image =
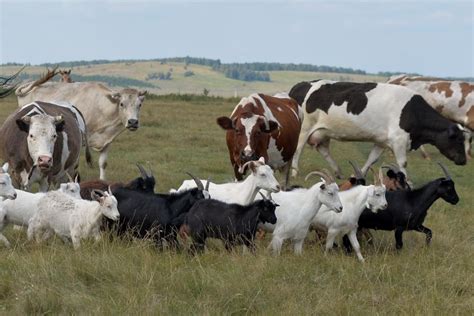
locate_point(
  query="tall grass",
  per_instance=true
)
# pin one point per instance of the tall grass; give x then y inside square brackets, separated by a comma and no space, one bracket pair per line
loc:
[128,276]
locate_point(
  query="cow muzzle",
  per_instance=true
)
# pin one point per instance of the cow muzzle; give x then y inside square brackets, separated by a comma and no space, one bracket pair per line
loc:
[248,157]
[132,124]
[45,162]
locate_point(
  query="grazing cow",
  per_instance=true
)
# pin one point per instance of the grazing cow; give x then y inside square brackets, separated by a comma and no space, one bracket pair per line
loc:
[41,141]
[232,223]
[388,115]
[156,216]
[453,99]
[145,183]
[407,209]
[262,126]
[107,112]
[65,76]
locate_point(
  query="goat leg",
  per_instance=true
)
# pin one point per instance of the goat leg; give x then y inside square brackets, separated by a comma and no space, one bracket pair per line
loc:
[427,232]
[398,237]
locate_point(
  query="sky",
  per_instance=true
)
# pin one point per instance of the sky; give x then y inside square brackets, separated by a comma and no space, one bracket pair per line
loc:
[427,37]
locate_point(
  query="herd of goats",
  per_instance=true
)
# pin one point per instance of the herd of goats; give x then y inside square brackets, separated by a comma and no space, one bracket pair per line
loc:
[40,143]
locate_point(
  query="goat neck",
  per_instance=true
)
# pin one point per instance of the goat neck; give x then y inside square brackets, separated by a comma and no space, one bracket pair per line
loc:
[245,191]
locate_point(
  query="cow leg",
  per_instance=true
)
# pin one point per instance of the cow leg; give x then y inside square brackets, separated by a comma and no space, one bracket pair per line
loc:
[276,245]
[302,139]
[298,246]
[25,185]
[323,149]
[374,155]
[103,161]
[398,237]
[427,232]
[424,153]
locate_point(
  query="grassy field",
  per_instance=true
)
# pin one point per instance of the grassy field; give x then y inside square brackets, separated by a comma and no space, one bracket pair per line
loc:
[131,277]
[204,78]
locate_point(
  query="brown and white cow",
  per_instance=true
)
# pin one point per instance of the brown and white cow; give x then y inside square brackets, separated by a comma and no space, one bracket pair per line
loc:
[107,112]
[453,99]
[41,142]
[263,126]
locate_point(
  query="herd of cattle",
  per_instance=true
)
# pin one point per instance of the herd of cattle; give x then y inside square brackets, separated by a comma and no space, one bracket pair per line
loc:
[41,143]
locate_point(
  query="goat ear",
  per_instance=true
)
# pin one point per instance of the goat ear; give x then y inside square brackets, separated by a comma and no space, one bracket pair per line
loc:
[322,186]
[225,122]
[5,167]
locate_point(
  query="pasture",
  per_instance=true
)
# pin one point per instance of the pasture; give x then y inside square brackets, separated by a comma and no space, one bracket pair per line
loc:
[179,134]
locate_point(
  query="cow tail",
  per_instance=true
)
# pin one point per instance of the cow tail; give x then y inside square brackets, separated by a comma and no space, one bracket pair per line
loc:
[88,150]
[25,88]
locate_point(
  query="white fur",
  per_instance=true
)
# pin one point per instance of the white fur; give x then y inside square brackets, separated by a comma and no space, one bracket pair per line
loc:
[354,201]
[296,210]
[7,191]
[71,218]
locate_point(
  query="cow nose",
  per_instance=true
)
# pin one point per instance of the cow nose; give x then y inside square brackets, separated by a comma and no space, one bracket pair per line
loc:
[45,161]
[132,123]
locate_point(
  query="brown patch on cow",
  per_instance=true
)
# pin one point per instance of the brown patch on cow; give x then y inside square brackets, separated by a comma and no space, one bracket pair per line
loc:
[443,86]
[470,118]
[466,88]
[439,108]
[398,80]
[423,79]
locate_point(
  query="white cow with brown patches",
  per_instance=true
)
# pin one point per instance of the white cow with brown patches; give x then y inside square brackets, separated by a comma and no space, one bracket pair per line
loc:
[107,112]
[453,99]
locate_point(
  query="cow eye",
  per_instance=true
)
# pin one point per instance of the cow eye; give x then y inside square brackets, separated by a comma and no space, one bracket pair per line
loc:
[31,136]
[121,104]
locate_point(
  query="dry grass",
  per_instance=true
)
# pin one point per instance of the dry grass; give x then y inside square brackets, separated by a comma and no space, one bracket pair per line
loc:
[131,277]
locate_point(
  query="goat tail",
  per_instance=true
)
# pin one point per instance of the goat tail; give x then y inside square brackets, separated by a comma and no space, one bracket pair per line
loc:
[184,231]
[25,88]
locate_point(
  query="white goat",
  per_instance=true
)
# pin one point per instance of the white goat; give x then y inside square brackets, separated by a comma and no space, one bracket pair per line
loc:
[7,191]
[354,201]
[72,218]
[25,206]
[296,210]
[243,192]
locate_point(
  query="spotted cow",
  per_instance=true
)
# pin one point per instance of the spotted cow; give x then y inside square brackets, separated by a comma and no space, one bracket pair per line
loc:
[263,126]
[387,115]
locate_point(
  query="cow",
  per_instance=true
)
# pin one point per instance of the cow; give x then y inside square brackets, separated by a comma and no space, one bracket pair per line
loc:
[262,126]
[107,112]
[387,115]
[41,142]
[453,99]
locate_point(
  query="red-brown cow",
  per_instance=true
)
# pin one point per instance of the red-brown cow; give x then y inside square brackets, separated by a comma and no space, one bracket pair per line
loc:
[263,126]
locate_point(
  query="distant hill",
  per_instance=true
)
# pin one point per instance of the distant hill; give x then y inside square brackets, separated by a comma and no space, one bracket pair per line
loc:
[198,75]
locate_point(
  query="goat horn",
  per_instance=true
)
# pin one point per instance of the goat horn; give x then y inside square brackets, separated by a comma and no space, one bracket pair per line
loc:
[263,196]
[446,173]
[329,174]
[380,176]
[242,168]
[376,180]
[319,173]
[207,184]
[110,190]
[142,171]
[357,170]
[69,177]
[149,167]
[197,181]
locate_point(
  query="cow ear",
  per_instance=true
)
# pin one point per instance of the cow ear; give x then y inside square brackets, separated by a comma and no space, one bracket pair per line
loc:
[452,131]
[114,97]
[59,122]
[272,125]
[24,123]
[142,94]
[225,122]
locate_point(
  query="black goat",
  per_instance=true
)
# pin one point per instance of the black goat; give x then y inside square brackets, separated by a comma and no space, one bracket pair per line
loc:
[145,183]
[232,223]
[407,209]
[157,216]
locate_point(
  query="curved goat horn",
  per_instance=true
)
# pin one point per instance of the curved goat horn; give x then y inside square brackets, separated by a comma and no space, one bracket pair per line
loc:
[242,168]
[380,176]
[263,196]
[142,170]
[207,184]
[198,182]
[376,179]
[149,167]
[357,170]
[322,174]
[69,177]
[446,173]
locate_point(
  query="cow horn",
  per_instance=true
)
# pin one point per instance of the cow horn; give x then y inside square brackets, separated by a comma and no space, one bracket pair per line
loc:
[326,177]
[69,177]
[357,171]
[142,171]
[446,173]
[197,181]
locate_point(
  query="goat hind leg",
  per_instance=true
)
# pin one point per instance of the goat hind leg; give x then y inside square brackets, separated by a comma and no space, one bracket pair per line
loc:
[427,232]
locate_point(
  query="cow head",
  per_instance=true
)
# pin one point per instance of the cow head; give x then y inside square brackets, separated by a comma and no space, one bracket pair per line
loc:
[42,132]
[129,102]
[450,143]
[249,134]
[7,190]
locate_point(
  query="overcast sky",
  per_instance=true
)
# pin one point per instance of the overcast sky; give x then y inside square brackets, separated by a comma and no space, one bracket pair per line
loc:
[428,37]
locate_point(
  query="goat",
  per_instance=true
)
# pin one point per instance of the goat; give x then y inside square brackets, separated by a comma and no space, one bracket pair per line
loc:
[243,192]
[71,218]
[25,206]
[145,183]
[354,202]
[232,223]
[297,208]
[7,191]
[156,215]
[407,209]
